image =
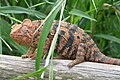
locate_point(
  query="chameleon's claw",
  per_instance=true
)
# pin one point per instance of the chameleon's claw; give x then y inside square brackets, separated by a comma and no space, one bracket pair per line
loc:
[33,57]
[24,56]
[70,65]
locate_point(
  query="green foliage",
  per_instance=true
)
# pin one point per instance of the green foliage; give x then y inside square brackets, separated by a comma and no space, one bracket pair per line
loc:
[99,18]
[21,10]
[81,14]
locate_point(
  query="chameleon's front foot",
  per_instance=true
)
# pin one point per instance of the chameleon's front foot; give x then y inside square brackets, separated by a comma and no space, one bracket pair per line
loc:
[28,55]
[70,65]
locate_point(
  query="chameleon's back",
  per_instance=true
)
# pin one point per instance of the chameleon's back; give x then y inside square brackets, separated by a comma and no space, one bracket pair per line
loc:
[68,39]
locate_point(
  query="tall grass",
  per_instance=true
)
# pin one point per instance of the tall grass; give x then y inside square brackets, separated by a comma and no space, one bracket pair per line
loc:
[99,18]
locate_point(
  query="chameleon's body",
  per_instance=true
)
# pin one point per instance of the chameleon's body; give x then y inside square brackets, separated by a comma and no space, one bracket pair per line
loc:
[73,43]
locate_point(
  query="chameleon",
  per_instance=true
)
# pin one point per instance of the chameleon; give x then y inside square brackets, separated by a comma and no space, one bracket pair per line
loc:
[73,43]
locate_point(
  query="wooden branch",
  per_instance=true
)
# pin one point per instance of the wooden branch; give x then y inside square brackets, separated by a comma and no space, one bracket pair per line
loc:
[12,66]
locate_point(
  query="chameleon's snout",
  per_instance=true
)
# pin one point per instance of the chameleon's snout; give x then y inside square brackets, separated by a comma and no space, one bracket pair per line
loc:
[15,30]
[15,27]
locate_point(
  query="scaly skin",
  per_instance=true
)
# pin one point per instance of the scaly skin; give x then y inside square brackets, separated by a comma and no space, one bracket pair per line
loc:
[72,43]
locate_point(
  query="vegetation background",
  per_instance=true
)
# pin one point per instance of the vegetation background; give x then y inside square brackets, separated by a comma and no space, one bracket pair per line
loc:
[99,18]
[105,31]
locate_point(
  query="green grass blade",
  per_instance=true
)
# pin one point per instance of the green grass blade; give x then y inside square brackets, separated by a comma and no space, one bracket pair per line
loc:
[20,10]
[108,37]
[30,74]
[38,4]
[0,46]
[66,18]
[27,3]
[11,17]
[118,17]
[51,69]
[6,44]
[80,13]
[72,16]
[54,42]
[117,3]
[0,36]
[8,4]
[49,2]
[43,36]
[0,33]
[55,7]
[94,5]
[55,37]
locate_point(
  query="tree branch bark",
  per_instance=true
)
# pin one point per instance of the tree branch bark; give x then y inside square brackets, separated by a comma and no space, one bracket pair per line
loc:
[12,66]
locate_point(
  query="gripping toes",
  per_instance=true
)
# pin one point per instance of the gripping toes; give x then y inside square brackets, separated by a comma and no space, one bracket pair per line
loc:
[27,55]
[70,65]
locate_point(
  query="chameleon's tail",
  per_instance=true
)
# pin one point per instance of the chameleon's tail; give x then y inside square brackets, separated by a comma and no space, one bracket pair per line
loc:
[101,58]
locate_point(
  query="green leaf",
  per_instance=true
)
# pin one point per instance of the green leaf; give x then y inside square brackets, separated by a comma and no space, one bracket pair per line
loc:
[6,43]
[108,37]
[20,10]
[81,14]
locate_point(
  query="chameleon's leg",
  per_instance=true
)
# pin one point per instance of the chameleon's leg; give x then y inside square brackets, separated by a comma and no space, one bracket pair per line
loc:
[45,49]
[30,53]
[79,56]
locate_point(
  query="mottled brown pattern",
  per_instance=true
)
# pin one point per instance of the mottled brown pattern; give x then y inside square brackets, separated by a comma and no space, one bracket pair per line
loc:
[72,43]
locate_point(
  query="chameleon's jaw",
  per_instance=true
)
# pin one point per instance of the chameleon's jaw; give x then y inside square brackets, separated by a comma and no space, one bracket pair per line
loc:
[14,37]
[19,39]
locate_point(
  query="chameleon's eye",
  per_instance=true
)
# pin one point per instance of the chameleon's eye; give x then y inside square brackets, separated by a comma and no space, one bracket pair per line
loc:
[38,30]
[27,30]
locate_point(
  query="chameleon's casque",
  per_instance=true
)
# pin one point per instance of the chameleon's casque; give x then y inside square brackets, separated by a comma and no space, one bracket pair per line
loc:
[72,43]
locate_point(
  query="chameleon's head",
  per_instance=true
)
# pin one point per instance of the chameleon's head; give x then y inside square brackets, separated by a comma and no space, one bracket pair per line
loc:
[19,31]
